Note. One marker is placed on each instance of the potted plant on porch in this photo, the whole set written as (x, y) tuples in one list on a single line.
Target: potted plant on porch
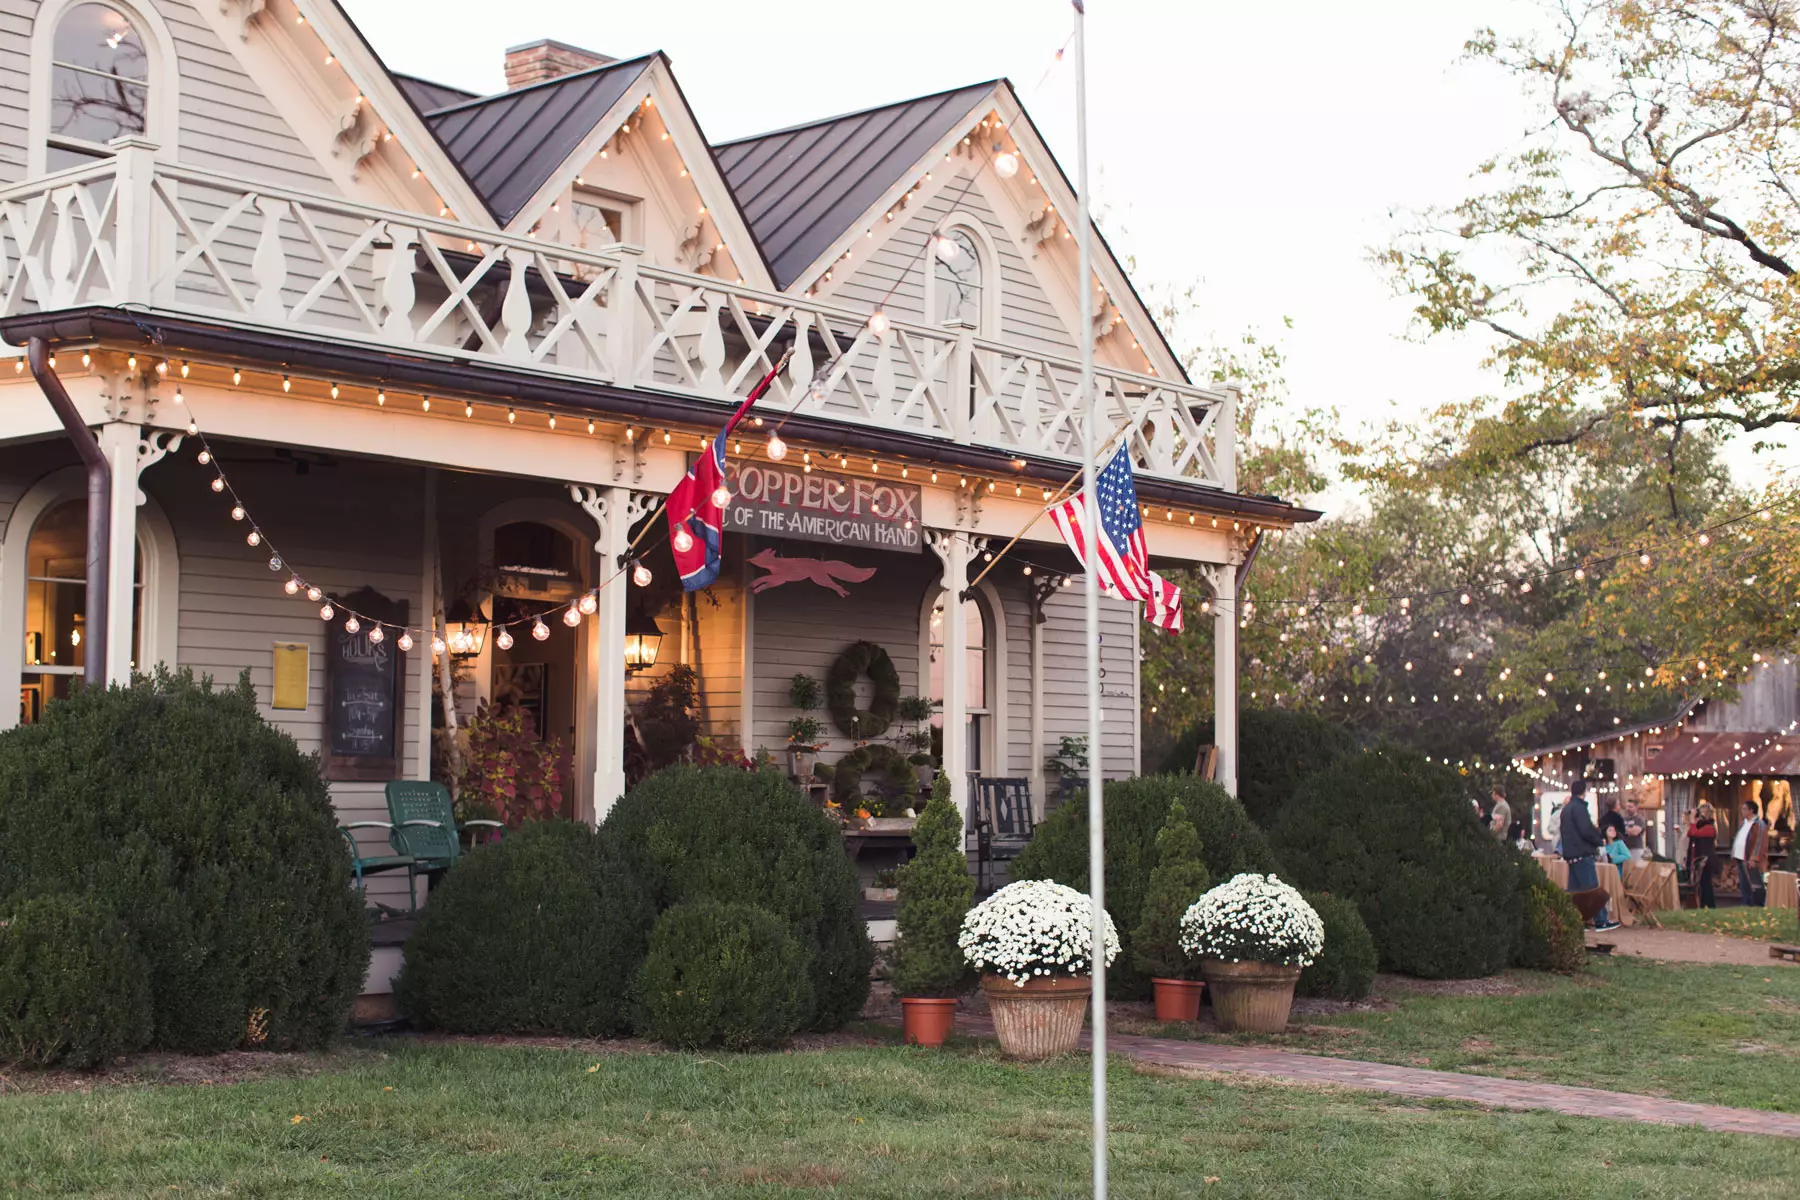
[(935, 890), (1178, 879), (1030, 940), (1252, 934), (803, 730), (916, 712)]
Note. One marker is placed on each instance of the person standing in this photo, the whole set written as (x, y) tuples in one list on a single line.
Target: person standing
[(1635, 826), (1500, 817), (1580, 842), (1703, 837), (1751, 849), (1610, 818)]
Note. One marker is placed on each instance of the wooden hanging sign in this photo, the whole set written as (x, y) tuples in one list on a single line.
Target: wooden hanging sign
[(776, 500)]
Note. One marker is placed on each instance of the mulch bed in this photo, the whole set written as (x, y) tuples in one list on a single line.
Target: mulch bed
[(237, 1066)]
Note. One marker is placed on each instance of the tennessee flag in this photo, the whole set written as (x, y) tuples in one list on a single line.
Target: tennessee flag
[(696, 507)]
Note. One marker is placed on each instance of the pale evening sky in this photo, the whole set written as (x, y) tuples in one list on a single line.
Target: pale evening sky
[(1255, 150)]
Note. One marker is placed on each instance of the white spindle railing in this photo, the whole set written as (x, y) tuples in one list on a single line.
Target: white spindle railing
[(173, 239)]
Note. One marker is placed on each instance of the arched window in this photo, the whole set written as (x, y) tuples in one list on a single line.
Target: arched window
[(99, 84), (957, 277), (56, 629), (980, 687)]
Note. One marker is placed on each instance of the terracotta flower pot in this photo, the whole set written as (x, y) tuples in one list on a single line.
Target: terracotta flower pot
[(927, 1020), (1177, 999), (1040, 1017), (1250, 997)]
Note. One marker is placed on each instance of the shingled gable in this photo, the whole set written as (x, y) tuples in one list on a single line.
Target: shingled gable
[(807, 190)]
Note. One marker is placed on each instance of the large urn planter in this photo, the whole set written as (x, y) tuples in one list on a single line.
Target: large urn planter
[(927, 1020), (1250, 997), (1177, 999), (1041, 1017)]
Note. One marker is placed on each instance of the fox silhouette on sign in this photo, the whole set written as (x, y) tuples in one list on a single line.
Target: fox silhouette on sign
[(793, 570)]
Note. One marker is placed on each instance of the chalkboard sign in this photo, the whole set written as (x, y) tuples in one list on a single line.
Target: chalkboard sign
[(365, 690)]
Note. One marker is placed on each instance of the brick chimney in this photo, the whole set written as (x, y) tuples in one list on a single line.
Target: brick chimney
[(535, 62)]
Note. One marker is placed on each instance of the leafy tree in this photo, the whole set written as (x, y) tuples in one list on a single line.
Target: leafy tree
[(1178, 879), (935, 893)]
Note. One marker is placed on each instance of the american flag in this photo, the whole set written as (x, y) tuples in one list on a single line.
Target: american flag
[(1124, 556)]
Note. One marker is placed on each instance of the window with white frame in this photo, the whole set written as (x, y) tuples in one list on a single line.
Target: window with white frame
[(99, 84), (976, 627), (56, 628), (957, 277)]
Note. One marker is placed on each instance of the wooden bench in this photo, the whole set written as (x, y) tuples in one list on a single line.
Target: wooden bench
[(1785, 953)]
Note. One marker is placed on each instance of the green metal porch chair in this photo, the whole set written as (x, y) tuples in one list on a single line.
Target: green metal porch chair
[(421, 830)]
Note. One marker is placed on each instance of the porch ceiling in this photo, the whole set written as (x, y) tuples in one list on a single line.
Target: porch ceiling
[(492, 383)]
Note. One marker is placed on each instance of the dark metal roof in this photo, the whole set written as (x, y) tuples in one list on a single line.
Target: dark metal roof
[(1761, 752), (801, 188), (509, 144), (427, 95)]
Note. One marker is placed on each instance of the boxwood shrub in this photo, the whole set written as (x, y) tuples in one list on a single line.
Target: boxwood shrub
[(1551, 938), (177, 809), (723, 974), (1395, 835), (1345, 969), (541, 932), (1136, 810), (74, 989), (712, 833), (1277, 748)]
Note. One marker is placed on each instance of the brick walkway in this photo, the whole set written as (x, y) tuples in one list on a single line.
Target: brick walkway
[(1441, 1085)]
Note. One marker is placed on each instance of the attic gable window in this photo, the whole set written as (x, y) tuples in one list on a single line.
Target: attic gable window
[(99, 84)]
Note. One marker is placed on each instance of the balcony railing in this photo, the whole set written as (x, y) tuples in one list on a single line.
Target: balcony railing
[(134, 232)]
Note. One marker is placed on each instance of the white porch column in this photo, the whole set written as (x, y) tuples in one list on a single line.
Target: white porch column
[(952, 549), (426, 620), (119, 442), (1225, 676), (609, 634)]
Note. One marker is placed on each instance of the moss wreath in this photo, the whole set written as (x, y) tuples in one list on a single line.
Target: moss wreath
[(846, 777), (840, 691)]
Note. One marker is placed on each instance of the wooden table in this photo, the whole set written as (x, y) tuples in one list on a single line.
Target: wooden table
[(1782, 889)]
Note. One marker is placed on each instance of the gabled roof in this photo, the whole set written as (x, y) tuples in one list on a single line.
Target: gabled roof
[(427, 95), (801, 188), (511, 143), (1613, 735)]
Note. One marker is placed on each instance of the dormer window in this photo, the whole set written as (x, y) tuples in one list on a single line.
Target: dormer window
[(99, 84), (956, 264)]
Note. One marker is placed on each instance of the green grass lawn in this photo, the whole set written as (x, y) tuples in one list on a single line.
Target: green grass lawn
[(1719, 1035), (436, 1120), (1761, 924)]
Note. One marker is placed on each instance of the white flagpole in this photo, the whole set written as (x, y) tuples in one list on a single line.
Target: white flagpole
[(1091, 579)]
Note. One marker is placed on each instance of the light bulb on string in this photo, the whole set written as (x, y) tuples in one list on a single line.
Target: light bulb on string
[(777, 448), (376, 634), (326, 612), (204, 457), (253, 538), (237, 512), (539, 630), (572, 616), (945, 248), (193, 427), (878, 323), (721, 496), (404, 641), (504, 638), (1006, 164), (588, 604), (275, 562), (218, 483), (313, 594), (640, 575), (682, 540), (437, 644), (291, 587)]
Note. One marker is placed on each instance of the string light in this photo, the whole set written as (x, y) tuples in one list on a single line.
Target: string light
[(539, 630), (504, 638), (640, 574)]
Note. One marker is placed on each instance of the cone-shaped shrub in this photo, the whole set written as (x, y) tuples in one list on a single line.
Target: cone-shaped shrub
[(1552, 938), (201, 827), (1179, 879), (935, 893), (692, 833)]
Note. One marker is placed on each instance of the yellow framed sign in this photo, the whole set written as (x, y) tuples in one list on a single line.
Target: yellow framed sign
[(293, 674)]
